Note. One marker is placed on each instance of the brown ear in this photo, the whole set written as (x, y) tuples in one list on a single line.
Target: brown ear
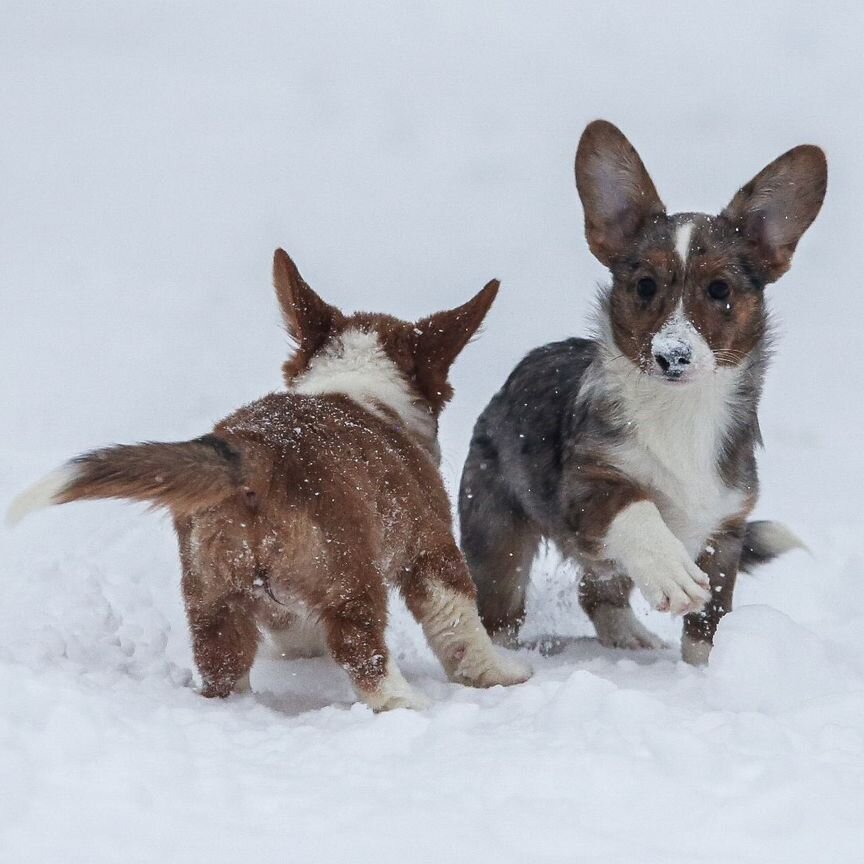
[(617, 193), (779, 204), (308, 319), (440, 337)]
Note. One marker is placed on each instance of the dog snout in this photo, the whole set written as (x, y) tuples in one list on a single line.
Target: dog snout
[(673, 360)]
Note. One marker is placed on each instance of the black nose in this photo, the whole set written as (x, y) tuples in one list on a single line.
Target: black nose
[(673, 361)]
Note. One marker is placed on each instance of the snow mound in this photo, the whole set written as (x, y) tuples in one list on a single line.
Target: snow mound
[(764, 661)]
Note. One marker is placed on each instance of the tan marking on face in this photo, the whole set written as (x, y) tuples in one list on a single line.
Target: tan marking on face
[(635, 321), (731, 326)]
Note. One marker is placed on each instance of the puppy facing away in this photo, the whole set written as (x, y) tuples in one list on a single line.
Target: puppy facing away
[(299, 510), (634, 451)]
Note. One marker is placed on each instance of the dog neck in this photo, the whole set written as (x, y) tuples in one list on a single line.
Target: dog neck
[(356, 365)]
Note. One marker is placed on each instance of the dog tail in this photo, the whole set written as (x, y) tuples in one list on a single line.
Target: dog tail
[(764, 541), (185, 477)]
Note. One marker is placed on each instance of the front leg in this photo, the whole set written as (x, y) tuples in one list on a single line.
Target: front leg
[(611, 518), (720, 561), (656, 560)]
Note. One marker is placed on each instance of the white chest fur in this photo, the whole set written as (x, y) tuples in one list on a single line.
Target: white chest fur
[(677, 436)]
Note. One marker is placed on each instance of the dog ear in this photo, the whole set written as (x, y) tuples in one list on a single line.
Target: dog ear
[(308, 319), (618, 195), (779, 204), (439, 338)]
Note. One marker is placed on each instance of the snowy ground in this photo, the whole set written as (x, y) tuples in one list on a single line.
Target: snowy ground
[(151, 158)]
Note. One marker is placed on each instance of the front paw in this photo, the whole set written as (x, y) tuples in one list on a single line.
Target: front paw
[(695, 652), (672, 582), (656, 560)]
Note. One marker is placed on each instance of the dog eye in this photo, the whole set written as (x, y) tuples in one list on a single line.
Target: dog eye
[(646, 287), (718, 290)]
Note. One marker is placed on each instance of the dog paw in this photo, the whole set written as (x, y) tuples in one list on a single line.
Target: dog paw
[(670, 581), (695, 652), (392, 692), (618, 628), (412, 699), (656, 560), (492, 669)]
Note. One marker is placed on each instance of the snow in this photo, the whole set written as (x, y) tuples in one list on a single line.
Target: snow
[(153, 156)]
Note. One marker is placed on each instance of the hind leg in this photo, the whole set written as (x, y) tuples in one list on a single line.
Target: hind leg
[(224, 642), (606, 600), (499, 543), (222, 622), (440, 595), (354, 628)]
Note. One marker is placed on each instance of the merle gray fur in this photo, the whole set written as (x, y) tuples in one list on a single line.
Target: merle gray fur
[(552, 455)]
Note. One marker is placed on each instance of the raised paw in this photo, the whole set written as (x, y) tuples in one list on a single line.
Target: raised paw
[(656, 560), (671, 582)]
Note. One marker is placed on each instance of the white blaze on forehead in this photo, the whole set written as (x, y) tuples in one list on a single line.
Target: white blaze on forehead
[(683, 235)]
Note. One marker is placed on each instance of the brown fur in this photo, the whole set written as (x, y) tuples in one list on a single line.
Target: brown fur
[(747, 246), (185, 476), (604, 493), (423, 351), (721, 564), (314, 504)]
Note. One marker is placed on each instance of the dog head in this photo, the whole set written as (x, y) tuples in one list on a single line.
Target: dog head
[(400, 364), (687, 289)]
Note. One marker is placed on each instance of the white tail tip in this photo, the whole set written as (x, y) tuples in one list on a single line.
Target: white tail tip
[(41, 494), (777, 538)]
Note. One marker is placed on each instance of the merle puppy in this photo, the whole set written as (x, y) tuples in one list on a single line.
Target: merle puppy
[(634, 451)]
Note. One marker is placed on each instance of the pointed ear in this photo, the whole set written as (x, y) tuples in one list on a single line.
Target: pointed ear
[(778, 205), (617, 194), (440, 337), (308, 319)]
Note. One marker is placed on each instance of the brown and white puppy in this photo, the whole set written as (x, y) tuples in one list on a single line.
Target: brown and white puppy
[(634, 451), (298, 511)]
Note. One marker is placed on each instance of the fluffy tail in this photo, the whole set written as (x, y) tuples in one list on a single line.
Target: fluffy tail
[(765, 541), (185, 477)]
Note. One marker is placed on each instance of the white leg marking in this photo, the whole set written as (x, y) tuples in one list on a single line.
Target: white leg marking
[(694, 652), (457, 636), (617, 627), (393, 692), (41, 494), (683, 235), (639, 541)]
